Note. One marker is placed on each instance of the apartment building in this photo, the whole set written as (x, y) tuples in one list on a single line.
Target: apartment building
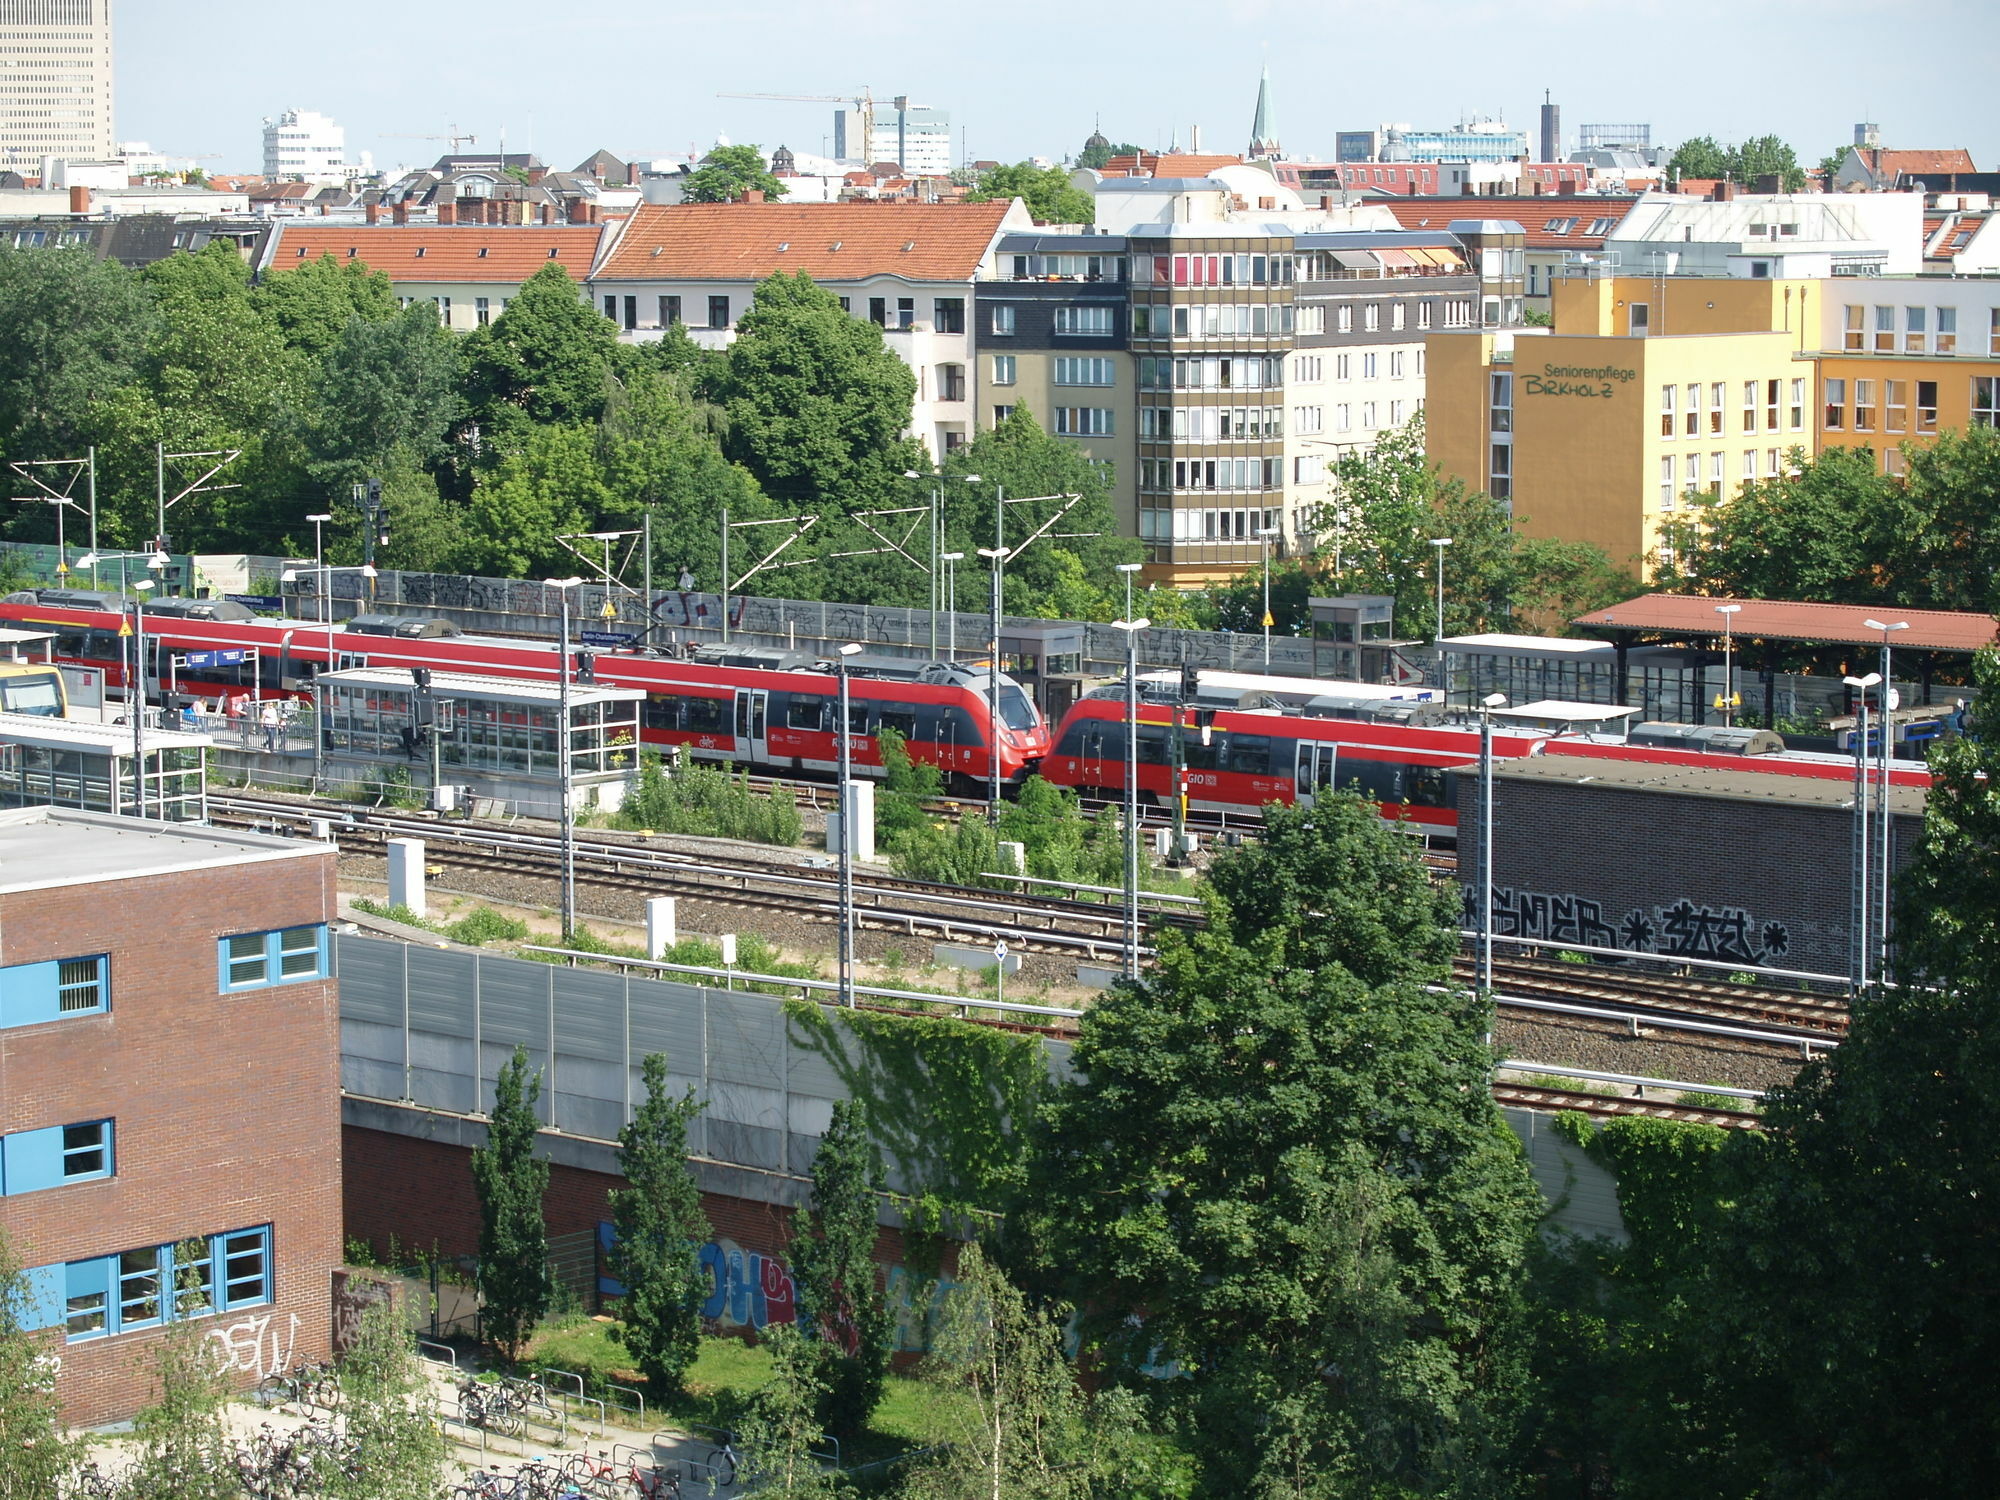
[(169, 1096), (1903, 358), (303, 145), (55, 82), (469, 272), (910, 268), (1557, 230)]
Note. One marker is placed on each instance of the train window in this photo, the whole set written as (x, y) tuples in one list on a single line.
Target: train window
[(1427, 786), (857, 717), (805, 713), (662, 712), (1249, 754), (1155, 748), (705, 715), (903, 723), (1200, 757)]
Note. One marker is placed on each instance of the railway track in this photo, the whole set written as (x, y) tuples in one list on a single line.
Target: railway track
[(1612, 1106), (1658, 996)]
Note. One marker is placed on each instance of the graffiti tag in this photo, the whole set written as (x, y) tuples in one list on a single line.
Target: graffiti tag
[(253, 1344), (1681, 929)]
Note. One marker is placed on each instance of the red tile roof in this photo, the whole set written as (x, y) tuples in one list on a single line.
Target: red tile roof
[(829, 241), (1780, 620), (1918, 163), (506, 254), (1533, 214), (1169, 164)]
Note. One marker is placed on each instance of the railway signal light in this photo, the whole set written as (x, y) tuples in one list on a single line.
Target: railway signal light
[(1190, 682), (586, 666)]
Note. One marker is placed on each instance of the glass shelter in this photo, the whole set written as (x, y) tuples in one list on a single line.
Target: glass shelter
[(46, 762)]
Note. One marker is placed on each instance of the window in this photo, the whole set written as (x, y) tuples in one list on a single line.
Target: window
[(1717, 395), (1001, 321), (1895, 405), (951, 382), (611, 308), (1343, 367), (86, 1151), (1797, 413), (718, 312), (1371, 317), (1003, 369), (1885, 330), (878, 311), (1368, 415), (1947, 330), (1927, 406), (1993, 331), (1343, 321), (1864, 406), (1834, 416), (1772, 460), (948, 314), (1668, 394), (1368, 366), (1312, 319), (1087, 322), (1749, 465), (1667, 496), (1749, 406), (1073, 371), (1424, 313), (1986, 400), (32, 1160), (1395, 364), (1343, 420), (1913, 329), (32, 993), (482, 311), (252, 960), (1395, 413), (113, 1294), (906, 312), (670, 311), (804, 713), (1691, 423), (1717, 466), (1855, 333), (1083, 421), (444, 311)]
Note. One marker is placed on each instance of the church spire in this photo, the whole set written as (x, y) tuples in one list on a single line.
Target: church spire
[(1264, 128)]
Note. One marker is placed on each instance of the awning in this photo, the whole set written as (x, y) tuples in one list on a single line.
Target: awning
[(1784, 620), (1357, 260)]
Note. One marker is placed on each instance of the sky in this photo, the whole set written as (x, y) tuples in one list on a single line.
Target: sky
[(641, 80)]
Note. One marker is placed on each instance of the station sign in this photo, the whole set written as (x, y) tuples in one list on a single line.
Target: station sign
[(264, 602), (214, 658), (606, 640)]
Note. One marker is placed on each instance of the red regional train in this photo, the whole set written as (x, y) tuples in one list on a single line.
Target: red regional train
[(1404, 755), (772, 710)]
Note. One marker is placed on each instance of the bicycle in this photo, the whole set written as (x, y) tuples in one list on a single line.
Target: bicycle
[(481, 1405), (91, 1483), (603, 1475), (722, 1462)]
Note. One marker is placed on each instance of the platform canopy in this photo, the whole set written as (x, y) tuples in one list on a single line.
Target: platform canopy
[(1782, 620)]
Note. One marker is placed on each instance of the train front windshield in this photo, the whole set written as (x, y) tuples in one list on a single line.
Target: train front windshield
[(1017, 711), (32, 693)]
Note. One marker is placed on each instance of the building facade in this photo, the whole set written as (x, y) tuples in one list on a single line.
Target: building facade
[(916, 138), (1904, 358), (55, 82), (302, 145), (169, 1096)]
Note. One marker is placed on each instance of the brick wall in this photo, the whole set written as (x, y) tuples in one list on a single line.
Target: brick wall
[(226, 1107)]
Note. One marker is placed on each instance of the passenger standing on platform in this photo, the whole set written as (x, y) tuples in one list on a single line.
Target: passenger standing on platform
[(273, 720)]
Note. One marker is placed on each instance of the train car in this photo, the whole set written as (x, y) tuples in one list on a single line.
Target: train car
[(776, 715), (28, 687), (1239, 761), (1718, 749)]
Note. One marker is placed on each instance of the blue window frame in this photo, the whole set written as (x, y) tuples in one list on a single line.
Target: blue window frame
[(31, 1160), (112, 1294), (54, 990), (258, 960)]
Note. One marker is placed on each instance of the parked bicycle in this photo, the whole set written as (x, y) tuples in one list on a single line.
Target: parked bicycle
[(601, 1475), (307, 1384), (722, 1462)]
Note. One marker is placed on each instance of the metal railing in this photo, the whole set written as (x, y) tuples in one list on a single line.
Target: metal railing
[(1636, 1080)]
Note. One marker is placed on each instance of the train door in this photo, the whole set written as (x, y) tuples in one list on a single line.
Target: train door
[(752, 711), (1314, 770)]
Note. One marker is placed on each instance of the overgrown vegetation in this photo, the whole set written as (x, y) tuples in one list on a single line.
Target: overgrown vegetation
[(509, 1179), (687, 797)]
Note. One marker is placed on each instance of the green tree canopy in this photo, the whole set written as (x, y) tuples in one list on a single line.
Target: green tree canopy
[(71, 331), (833, 1259), (726, 172), (509, 1179), (549, 485), (1328, 1252), (661, 1230), (1047, 191), (1699, 156), (312, 302), (383, 387), (1760, 155), (546, 359)]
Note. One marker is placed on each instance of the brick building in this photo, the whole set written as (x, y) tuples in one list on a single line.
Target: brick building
[(168, 1077)]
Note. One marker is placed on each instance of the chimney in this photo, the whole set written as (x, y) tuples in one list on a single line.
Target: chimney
[(576, 209), (1725, 191), (753, 195), (1325, 201), (399, 213), (1769, 183), (372, 214), (548, 214), (79, 200), (1566, 188), (447, 213)]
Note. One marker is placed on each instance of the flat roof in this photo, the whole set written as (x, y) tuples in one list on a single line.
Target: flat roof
[(1563, 708), (42, 848), (82, 734), (1782, 620), (1521, 645), (9, 636), (1700, 781), (497, 689)]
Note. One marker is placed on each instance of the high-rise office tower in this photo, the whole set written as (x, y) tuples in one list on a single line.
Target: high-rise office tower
[(55, 82), (1552, 133)]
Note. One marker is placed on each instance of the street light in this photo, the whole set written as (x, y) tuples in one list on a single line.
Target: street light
[(319, 556), (567, 830), (1131, 627), (1440, 542), (1727, 611), (1485, 969), (324, 587), (1264, 536), (1861, 893), (156, 561), (1885, 874), (998, 556), (846, 835), (62, 546), (951, 562)]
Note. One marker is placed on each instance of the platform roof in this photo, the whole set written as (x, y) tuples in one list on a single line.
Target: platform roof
[(82, 734), (463, 685), (1747, 785), (1781, 620)]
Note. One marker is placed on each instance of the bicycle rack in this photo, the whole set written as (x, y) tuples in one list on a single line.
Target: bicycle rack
[(638, 1396), (450, 1354)]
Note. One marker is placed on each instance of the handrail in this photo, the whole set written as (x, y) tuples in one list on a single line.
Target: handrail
[(639, 1396), (1103, 890), (1663, 958), (1512, 1065), (450, 1354), (1665, 1023)]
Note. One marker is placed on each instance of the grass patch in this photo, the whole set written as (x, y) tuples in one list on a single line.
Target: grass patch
[(476, 928), (1697, 1099), (1571, 1085)]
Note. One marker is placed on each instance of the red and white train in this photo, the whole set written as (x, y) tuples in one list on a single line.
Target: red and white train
[(771, 710)]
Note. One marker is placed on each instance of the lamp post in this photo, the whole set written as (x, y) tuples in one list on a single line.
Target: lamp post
[(135, 697), (1485, 965), (1728, 611), (135, 681), (951, 562), (1131, 627), (62, 544), (319, 559), (1440, 542), (1885, 872), (846, 796), (931, 555), (323, 587), (1860, 896), (567, 829), (1264, 535), (998, 556)]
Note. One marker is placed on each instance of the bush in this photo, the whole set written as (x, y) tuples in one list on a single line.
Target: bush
[(708, 801)]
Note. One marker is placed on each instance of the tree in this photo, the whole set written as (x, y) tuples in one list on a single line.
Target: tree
[(1047, 192), (1702, 156), (726, 173), (390, 1411), (1831, 163), (661, 1230), (1280, 1168), (183, 1448), (780, 1427), (550, 485), (816, 403), (383, 388), (514, 1286), (1767, 156), (833, 1262), (312, 303), (545, 360), (71, 330), (31, 1432)]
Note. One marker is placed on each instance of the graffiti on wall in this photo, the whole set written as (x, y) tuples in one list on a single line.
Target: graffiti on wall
[(352, 1297), (1680, 929), (253, 1344)]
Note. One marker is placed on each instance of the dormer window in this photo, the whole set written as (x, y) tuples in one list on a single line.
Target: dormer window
[(783, 246), (482, 252), (554, 251), (420, 251), (834, 246)]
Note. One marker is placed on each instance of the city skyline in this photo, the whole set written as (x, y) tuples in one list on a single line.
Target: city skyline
[(1014, 96)]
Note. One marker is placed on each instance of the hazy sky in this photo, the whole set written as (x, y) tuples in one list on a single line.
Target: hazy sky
[(564, 77)]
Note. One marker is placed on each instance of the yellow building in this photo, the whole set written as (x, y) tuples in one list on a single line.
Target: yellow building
[(1646, 389), (1905, 358)]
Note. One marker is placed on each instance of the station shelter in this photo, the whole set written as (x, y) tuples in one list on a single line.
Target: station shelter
[(50, 762)]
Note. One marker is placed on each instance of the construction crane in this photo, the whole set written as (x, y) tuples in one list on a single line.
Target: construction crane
[(863, 101), (456, 138)]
